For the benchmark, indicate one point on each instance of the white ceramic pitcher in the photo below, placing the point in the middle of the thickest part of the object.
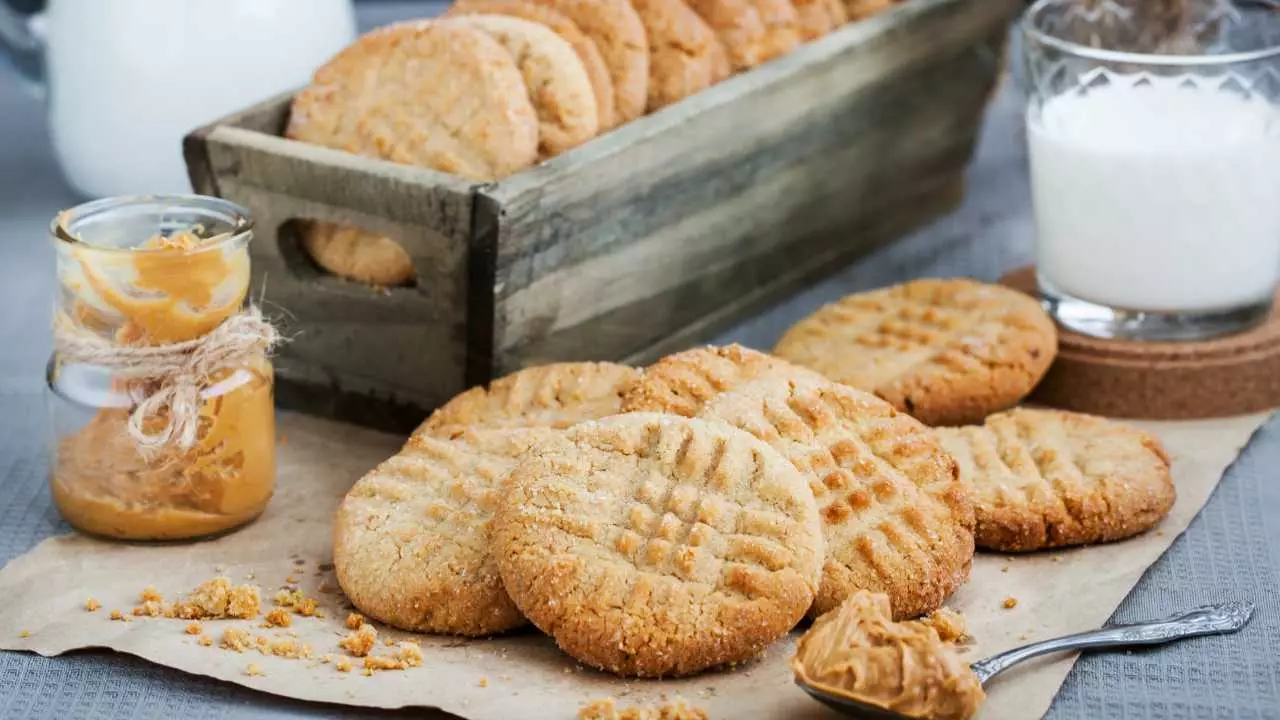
(126, 79)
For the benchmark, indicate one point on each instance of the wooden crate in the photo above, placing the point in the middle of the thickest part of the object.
(642, 241)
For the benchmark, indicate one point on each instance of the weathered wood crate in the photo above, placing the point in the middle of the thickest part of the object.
(639, 242)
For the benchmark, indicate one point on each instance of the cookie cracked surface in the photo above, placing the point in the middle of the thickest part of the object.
(1047, 478)
(422, 93)
(410, 539)
(554, 396)
(896, 518)
(654, 545)
(948, 352)
(682, 383)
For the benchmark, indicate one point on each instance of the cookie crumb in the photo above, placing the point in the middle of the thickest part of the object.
(149, 608)
(205, 641)
(117, 615)
(360, 642)
(253, 670)
(1056, 558)
(1010, 603)
(290, 648)
(298, 602)
(948, 623)
(1004, 569)
(149, 594)
(24, 634)
(194, 628)
(484, 682)
(279, 617)
(92, 605)
(218, 598)
(234, 639)
(607, 709)
(291, 580)
(354, 621)
(343, 665)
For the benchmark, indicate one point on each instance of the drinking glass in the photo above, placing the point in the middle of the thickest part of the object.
(1154, 139)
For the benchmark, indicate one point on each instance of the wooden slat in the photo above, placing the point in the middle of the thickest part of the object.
(608, 250)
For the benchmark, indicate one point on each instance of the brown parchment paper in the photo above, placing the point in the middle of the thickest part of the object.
(42, 596)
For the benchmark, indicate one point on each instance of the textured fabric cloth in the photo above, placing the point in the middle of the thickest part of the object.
(1232, 551)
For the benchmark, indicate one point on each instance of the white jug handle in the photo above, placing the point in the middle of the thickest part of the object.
(22, 41)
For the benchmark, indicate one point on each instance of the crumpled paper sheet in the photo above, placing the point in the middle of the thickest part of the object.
(43, 593)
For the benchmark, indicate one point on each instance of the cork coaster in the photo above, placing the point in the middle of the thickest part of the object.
(1231, 375)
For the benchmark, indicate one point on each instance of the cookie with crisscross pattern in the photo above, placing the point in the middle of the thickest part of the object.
(895, 517)
(557, 396)
(1048, 478)
(410, 540)
(682, 383)
(948, 352)
(656, 545)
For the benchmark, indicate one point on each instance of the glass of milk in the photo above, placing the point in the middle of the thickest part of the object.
(1154, 137)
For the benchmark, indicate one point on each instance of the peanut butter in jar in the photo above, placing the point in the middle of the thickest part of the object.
(160, 384)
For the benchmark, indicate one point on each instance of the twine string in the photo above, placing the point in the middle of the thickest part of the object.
(165, 382)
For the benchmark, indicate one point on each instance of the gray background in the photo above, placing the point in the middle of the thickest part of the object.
(1232, 551)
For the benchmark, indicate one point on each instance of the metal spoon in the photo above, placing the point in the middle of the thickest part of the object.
(1208, 620)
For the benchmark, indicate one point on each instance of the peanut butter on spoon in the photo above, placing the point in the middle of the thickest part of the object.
(857, 651)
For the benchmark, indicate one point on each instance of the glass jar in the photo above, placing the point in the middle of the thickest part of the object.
(160, 386)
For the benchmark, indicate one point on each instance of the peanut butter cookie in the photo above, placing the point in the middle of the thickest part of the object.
(863, 9)
(558, 83)
(819, 17)
(446, 97)
(615, 28)
(949, 352)
(737, 23)
(554, 396)
(682, 383)
(782, 26)
(357, 255)
(685, 56)
(410, 540)
(1047, 478)
(568, 30)
(895, 517)
(654, 545)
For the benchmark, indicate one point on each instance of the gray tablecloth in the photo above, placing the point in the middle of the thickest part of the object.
(1231, 551)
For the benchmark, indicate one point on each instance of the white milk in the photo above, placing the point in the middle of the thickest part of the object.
(1157, 198)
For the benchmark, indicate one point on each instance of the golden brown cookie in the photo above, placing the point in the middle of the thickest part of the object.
(410, 540)
(782, 26)
(685, 56)
(555, 396)
(655, 545)
(615, 28)
(949, 352)
(863, 9)
(422, 93)
(354, 254)
(895, 517)
(1048, 478)
(682, 383)
(558, 83)
(568, 30)
(819, 17)
(737, 23)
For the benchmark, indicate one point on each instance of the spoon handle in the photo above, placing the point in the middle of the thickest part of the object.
(1208, 620)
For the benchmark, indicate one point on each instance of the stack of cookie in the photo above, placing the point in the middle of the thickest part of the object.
(664, 521)
(498, 85)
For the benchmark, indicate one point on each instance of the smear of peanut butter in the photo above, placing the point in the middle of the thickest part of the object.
(858, 651)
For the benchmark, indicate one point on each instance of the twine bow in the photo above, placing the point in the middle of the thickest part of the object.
(165, 381)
